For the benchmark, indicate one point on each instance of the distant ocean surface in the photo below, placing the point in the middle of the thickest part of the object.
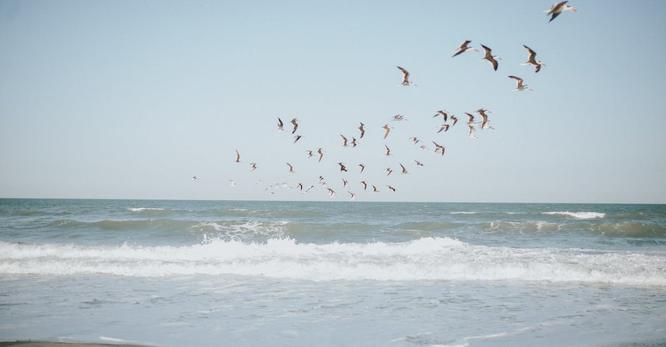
(239, 273)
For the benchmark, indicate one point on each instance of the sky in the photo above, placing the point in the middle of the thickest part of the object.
(130, 99)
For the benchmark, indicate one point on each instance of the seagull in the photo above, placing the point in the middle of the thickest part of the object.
(194, 178)
(374, 189)
(300, 186)
(352, 196)
(444, 127)
(490, 57)
(423, 147)
(464, 47)
(472, 131)
(414, 139)
(342, 167)
(291, 168)
(399, 117)
(344, 140)
(280, 124)
(389, 171)
(253, 166)
(362, 129)
(484, 122)
(404, 169)
(353, 142)
(482, 112)
(310, 153)
(309, 188)
(470, 118)
(388, 150)
(520, 85)
(362, 167)
(558, 8)
(331, 192)
(237, 157)
(531, 59)
(294, 122)
(297, 137)
(391, 188)
(365, 185)
(405, 76)
(387, 130)
(321, 153)
(454, 119)
(439, 148)
(442, 113)
(344, 183)
(418, 163)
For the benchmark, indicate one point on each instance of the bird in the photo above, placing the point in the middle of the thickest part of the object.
(253, 166)
(310, 153)
(280, 124)
(464, 47)
(389, 171)
(490, 57)
(194, 178)
(344, 140)
(399, 117)
(387, 130)
(321, 153)
(558, 8)
(331, 192)
(352, 196)
(439, 148)
(294, 122)
(531, 59)
(309, 188)
(353, 142)
(300, 186)
(472, 131)
(404, 169)
(297, 137)
(362, 166)
(470, 118)
(405, 76)
(414, 139)
(232, 183)
(454, 119)
(444, 127)
(484, 122)
(344, 183)
(418, 163)
(342, 167)
(442, 113)
(520, 84)
(361, 128)
(388, 150)
(482, 112)
(391, 188)
(291, 168)
(365, 185)
(374, 189)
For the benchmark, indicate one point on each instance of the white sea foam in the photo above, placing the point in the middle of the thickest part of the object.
(578, 215)
(141, 209)
(421, 259)
(464, 212)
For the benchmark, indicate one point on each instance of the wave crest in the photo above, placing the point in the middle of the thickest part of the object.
(578, 215)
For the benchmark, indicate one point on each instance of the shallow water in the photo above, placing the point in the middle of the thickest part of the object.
(176, 273)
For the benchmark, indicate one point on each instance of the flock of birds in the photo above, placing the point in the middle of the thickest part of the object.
(449, 121)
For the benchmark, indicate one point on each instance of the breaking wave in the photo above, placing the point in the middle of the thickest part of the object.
(421, 259)
(578, 215)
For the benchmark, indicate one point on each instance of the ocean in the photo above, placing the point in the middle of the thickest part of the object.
(243, 273)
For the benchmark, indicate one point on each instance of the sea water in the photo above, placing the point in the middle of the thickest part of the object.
(239, 273)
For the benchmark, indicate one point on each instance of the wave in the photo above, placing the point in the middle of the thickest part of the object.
(422, 259)
(578, 215)
(141, 209)
(463, 212)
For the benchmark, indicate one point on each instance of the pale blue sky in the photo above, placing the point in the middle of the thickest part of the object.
(129, 99)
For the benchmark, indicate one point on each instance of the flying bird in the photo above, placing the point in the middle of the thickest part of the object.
(361, 128)
(439, 148)
(444, 128)
(294, 122)
(321, 153)
(365, 185)
(291, 168)
(362, 167)
(344, 183)
(414, 139)
(194, 178)
(253, 166)
(454, 119)
(470, 118)
(442, 113)
(310, 153)
(399, 117)
(353, 142)
(387, 130)
(472, 131)
(405, 76)
(232, 183)
(300, 186)
(418, 163)
(331, 192)
(344, 140)
(297, 137)
(342, 167)
(237, 157)
(352, 196)
(404, 169)
(490, 57)
(391, 188)
(374, 189)
(464, 47)
(531, 59)
(280, 124)
(388, 150)
(389, 171)
(558, 8)
(520, 84)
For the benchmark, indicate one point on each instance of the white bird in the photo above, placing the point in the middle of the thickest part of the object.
(520, 84)
(558, 8)
(405, 76)
(387, 130)
(464, 47)
(531, 59)
(490, 57)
